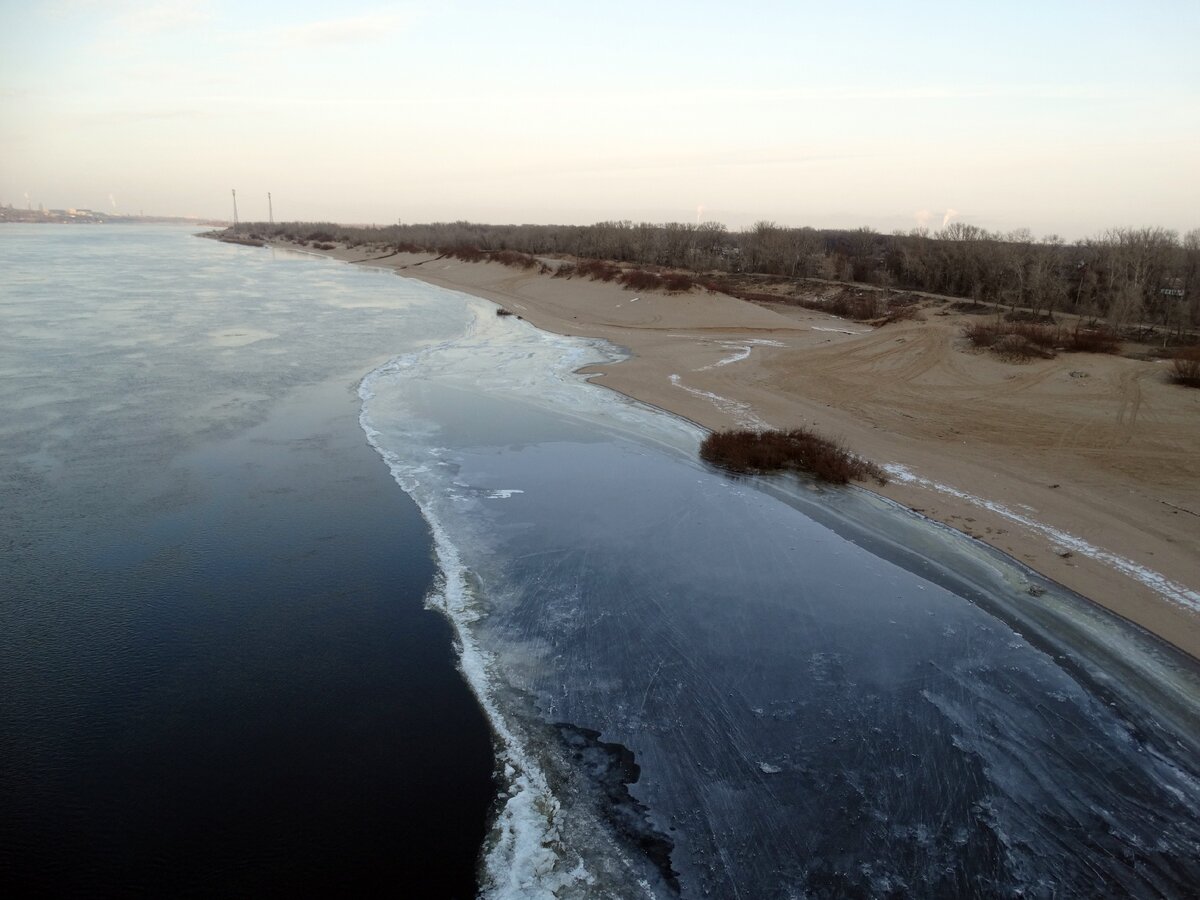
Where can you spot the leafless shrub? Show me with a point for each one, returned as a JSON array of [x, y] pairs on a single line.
[[800, 450], [761, 297], [513, 258], [970, 308], [982, 334], [852, 307], [1017, 348], [856, 305], [640, 280], [597, 270], [1044, 337], [1039, 340], [1185, 368], [1021, 315], [1090, 340], [899, 314], [677, 283], [464, 252]]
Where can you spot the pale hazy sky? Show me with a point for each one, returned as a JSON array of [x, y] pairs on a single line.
[[1064, 117]]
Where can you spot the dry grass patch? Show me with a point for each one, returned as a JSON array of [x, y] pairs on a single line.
[[1090, 340], [514, 259], [640, 280], [871, 307], [798, 450], [1019, 341], [632, 279]]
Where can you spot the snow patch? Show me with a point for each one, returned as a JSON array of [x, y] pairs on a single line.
[[838, 330], [740, 411], [742, 350], [1177, 593]]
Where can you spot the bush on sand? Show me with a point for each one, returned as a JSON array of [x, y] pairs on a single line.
[[798, 450]]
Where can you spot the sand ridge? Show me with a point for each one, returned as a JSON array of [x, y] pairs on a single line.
[[1082, 467]]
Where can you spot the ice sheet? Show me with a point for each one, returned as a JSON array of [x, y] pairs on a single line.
[[803, 710]]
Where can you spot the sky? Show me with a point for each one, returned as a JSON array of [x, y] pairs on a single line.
[[1061, 117]]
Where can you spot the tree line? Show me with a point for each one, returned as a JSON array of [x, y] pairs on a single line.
[[1125, 276]]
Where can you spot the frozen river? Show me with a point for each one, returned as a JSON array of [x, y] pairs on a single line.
[[270, 521], [750, 687]]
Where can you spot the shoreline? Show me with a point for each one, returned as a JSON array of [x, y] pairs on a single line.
[[964, 445]]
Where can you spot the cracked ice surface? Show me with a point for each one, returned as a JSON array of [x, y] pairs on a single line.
[[824, 694]]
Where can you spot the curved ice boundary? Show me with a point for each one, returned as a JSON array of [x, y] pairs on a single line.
[[1176, 593], [534, 850]]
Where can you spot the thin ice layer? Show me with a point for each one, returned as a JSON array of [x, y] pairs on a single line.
[[806, 715]]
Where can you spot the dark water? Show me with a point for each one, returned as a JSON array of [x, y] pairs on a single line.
[[218, 677]]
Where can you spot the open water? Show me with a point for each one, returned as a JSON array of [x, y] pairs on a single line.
[[217, 674], [696, 685]]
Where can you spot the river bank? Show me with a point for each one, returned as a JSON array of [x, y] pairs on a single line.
[[1080, 467]]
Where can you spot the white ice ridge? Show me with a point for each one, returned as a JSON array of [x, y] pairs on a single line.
[[527, 856], [533, 847], [742, 350], [1165, 587], [838, 330], [740, 411]]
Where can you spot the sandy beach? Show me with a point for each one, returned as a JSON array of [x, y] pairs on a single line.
[[1082, 467]]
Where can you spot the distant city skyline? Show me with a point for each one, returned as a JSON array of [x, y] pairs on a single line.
[[1059, 117]]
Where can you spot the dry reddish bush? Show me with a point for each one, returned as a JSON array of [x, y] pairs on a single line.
[[1044, 339], [596, 270], [1091, 340], [1018, 348], [513, 258], [982, 334], [464, 252], [761, 297], [799, 450], [860, 308], [640, 280], [677, 283], [1185, 367], [899, 314]]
